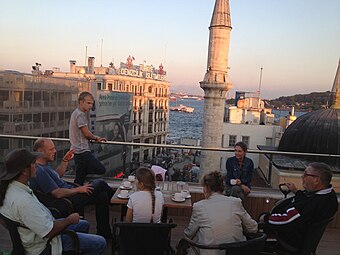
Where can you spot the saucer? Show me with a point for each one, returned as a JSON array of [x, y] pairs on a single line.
[[188, 196], [178, 201], [123, 187], [119, 196]]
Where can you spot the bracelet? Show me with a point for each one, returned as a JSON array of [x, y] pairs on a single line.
[[64, 160]]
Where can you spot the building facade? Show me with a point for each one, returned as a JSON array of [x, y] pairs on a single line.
[[150, 103], [35, 105]]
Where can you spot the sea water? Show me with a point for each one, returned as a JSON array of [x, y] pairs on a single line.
[[189, 125]]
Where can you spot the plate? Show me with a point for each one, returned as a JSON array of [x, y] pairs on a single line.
[[187, 197], [123, 187], [119, 196], [178, 201]]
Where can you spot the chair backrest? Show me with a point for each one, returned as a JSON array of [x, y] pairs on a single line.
[[253, 246], [12, 228], [314, 235], [59, 207], [311, 240], [143, 238]]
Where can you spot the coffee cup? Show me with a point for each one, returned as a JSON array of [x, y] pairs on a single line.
[[131, 178], [233, 181], [178, 196], [185, 193], [124, 193], [127, 184]]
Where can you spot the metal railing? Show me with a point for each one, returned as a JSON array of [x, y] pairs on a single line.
[[186, 158]]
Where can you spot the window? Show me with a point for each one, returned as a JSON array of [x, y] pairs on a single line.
[[232, 140], [269, 141], [110, 87], [245, 139]]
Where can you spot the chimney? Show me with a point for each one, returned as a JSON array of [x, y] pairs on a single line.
[[90, 65], [73, 66]]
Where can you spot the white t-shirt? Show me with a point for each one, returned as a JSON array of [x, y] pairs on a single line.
[[141, 204]]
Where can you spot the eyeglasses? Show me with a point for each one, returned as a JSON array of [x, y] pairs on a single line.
[[307, 174]]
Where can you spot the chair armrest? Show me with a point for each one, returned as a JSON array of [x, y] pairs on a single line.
[[185, 243], [75, 240]]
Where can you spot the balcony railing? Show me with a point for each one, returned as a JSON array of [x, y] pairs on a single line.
[[179, 158]]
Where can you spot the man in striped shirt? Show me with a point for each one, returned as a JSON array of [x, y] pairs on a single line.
[[291, 218]]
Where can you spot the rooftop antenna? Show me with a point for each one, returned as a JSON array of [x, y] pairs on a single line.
[[101, 54], [85, 56], [260, 83], [165, 54]]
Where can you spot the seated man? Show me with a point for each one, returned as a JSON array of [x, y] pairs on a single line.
[[18, 203], [49, 181], [290, 218]]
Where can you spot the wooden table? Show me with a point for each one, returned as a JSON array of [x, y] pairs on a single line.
[[167, 189]]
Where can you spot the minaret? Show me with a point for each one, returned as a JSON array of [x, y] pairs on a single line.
[[215, 85]]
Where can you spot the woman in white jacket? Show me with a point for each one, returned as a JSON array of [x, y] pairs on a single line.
[[217, 218]]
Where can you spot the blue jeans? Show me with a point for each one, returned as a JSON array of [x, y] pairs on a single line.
[[88, 244], [86, 164]]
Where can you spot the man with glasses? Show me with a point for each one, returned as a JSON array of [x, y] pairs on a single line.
[[290, 218]]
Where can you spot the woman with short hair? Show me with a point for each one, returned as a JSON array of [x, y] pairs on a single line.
[[218, 219]]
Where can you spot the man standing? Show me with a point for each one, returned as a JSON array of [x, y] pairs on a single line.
[[18, 203], [80, 135], [290, 219], [49, 181]]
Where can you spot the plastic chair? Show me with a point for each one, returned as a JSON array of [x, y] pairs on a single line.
[[311, 240], [18, 248], [59, 207], [253, 246], [142, 238], [310, 243]]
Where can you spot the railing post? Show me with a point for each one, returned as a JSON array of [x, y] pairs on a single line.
[[270, 168]]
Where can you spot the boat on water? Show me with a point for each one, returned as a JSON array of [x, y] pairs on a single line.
[[182, 108]]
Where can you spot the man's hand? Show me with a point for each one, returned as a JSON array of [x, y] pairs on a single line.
[[87, 188], [100, 139], [68, 156], [291, 187], [238, 182], [73, 218]]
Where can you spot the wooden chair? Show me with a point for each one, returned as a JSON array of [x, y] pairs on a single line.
[[142, 238], [253, 246], [18, 248]]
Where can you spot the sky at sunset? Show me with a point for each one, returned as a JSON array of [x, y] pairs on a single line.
[[296, 41]]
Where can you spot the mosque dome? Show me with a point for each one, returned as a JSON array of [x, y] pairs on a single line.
[[317, 132], [314, 132]]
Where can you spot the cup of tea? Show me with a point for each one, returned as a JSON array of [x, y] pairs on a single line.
[[233, 181], [131, 178], [185, 193], [124, 193], [127, 184], [178, 196]]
